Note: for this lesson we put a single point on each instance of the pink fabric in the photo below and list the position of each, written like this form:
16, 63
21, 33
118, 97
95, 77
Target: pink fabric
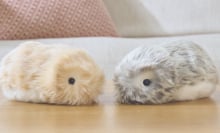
28, 19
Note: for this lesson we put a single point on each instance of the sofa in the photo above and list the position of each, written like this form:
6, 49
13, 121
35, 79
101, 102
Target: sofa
145, 22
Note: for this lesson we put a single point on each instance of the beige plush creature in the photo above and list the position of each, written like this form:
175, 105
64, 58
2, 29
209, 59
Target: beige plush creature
56, 74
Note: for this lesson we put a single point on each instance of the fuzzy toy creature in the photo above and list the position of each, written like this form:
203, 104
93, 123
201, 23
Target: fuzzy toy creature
54, 74
177, 71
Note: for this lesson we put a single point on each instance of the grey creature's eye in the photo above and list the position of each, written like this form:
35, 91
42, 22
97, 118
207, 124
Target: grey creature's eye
146, 82
71, 81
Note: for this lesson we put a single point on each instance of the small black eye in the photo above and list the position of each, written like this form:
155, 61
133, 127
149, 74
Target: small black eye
146, 82
71, 81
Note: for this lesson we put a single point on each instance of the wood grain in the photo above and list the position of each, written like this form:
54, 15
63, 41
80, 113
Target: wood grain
201, 116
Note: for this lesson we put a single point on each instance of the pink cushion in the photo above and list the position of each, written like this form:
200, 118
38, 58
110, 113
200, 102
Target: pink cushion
28, 19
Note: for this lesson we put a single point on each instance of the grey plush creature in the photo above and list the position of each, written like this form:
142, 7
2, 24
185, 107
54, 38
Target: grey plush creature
176, 71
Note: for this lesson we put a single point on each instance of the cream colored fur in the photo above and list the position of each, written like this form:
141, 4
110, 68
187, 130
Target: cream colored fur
200, 90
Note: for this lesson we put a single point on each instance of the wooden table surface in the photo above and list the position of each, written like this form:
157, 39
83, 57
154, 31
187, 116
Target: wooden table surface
202, 116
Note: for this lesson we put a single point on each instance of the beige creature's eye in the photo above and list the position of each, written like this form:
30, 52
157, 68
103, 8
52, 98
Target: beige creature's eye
71, 81
146, 82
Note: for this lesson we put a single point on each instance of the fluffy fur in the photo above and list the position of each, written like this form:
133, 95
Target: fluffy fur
178, 71
39, 73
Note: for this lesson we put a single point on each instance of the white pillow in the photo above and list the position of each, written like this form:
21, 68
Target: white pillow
142, 18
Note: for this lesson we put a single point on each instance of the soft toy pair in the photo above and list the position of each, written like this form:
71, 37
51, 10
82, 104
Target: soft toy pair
179, 71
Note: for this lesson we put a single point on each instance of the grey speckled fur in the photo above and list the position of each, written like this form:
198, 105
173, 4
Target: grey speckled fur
169, 66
